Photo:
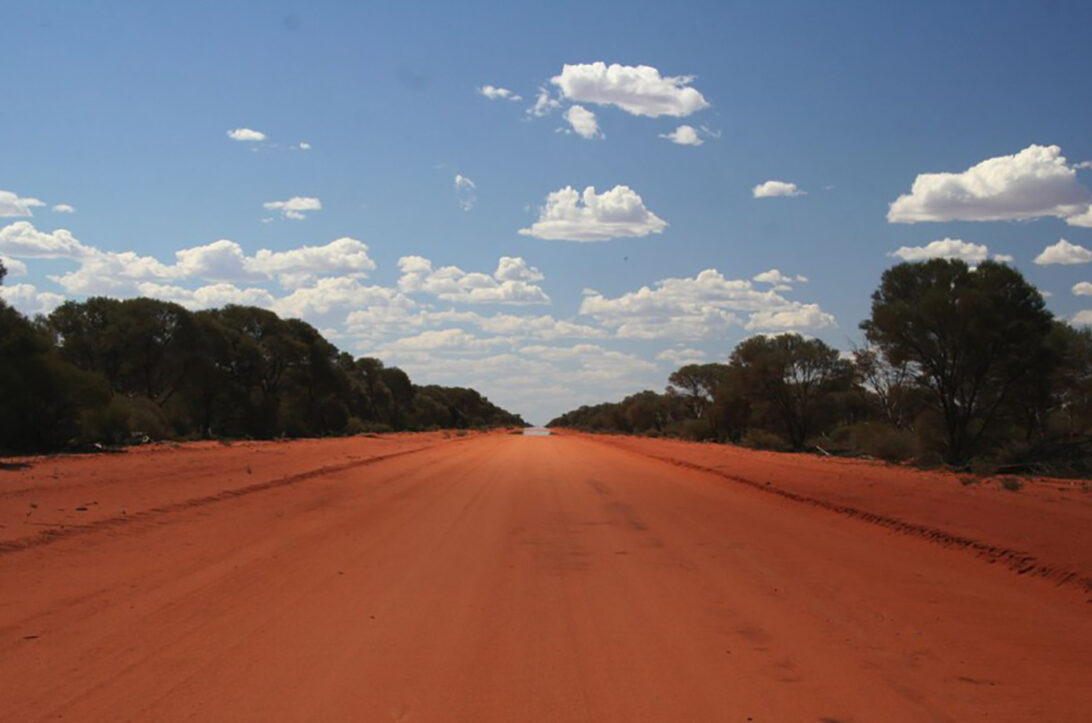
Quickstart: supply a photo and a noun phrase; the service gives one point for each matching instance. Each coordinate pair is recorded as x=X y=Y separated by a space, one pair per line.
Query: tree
x=792 y=377
x=971 y=336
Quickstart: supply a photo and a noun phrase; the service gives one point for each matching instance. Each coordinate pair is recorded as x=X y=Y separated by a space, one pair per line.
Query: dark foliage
x=110 y=371
x=963 y=365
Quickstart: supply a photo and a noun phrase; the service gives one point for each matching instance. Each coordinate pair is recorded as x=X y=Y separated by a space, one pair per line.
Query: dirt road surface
x=507 y=578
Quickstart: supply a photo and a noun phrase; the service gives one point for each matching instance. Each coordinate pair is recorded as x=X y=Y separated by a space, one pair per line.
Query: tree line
x=962 y=365
x=111 y=371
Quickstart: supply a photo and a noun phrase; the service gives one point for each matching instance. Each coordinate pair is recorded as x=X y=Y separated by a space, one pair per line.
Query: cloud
x=1063 y=253
x=345 y=257
x=511 y=283
x=1082 y=288
x=1004 y=258
x=775 y=277
x=682 y=357
x=301 y=146
x=695 y=308
x=295 y=207
x=207 y=297
x=1033 y=183
x=797 y=316
x=466 y=192
x=64 y=208
x=684 y=135
x=583 y=122
x=1083 y=318
x=544 y=104
x=493 y=92
x=948 y=248
x=1081 y=219
x=24 y=240
x=771 y=189
x=27 y=299
x=639 y=90
x=14 y=267
x=12 y=205
x=571 y=216
x=246 y=134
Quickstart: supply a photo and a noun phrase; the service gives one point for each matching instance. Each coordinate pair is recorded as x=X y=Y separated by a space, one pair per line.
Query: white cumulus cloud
x=947 y=248
x=544 y=104
x=13 y=205
x=27 y=299
x=583 y=122
x=772 y=189
x=639 y=90
x=684 y=135
x=511 y=283
x=64 y=208
x=14 y=267
x=1033 y=183
x=695 y=308
x=295 y=207
x=246 y=134
x=24 y=240
x=1063 y=253
x=572 y=216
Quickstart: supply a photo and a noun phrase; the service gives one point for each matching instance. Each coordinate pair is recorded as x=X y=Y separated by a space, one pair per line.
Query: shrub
x=761 y=439
x=883 y=441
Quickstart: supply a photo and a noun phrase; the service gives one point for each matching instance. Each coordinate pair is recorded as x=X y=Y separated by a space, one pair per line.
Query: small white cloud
x=684 y=135
x=639 y=90
x=246 y=134
x=64 y=208
x=544 y=104
x=466 y=192
x=304 y=146
x=948 y=248
x=12 y=205
x=572 y=216
x=1083 y=318
x=771 y=189
x=1004 y=258
x=774 y=276
x=1082 y=288
x=493 y=92
x=1063 y=253
x=583 y=122
x=295 y=207
x=511 y=283
x=1033 y=183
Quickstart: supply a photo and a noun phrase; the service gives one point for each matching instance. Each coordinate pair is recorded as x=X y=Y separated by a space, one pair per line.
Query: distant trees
x=106 y=370
x=961 y=365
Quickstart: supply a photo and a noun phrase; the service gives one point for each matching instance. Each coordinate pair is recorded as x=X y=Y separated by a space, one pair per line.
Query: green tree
x=973 y=338
x=792 y=379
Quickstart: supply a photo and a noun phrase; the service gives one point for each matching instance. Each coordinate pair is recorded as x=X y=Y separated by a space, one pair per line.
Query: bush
x=761 y=439
x=882 y=441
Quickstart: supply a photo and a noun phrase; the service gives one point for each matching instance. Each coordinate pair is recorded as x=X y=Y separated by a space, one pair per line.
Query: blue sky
x=122 y=111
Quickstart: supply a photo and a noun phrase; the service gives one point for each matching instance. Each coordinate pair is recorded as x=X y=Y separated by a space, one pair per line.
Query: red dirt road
x=503 y=578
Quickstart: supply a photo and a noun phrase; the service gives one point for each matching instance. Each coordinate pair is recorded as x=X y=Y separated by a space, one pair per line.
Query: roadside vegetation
x=105 y=371
x=963 y=366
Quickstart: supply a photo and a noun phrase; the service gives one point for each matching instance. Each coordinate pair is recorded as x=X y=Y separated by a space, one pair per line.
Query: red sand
x=501 y=578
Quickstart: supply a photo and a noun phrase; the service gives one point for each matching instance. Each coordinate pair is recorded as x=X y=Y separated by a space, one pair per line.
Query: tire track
x=65 y=531
x=1022 y=563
